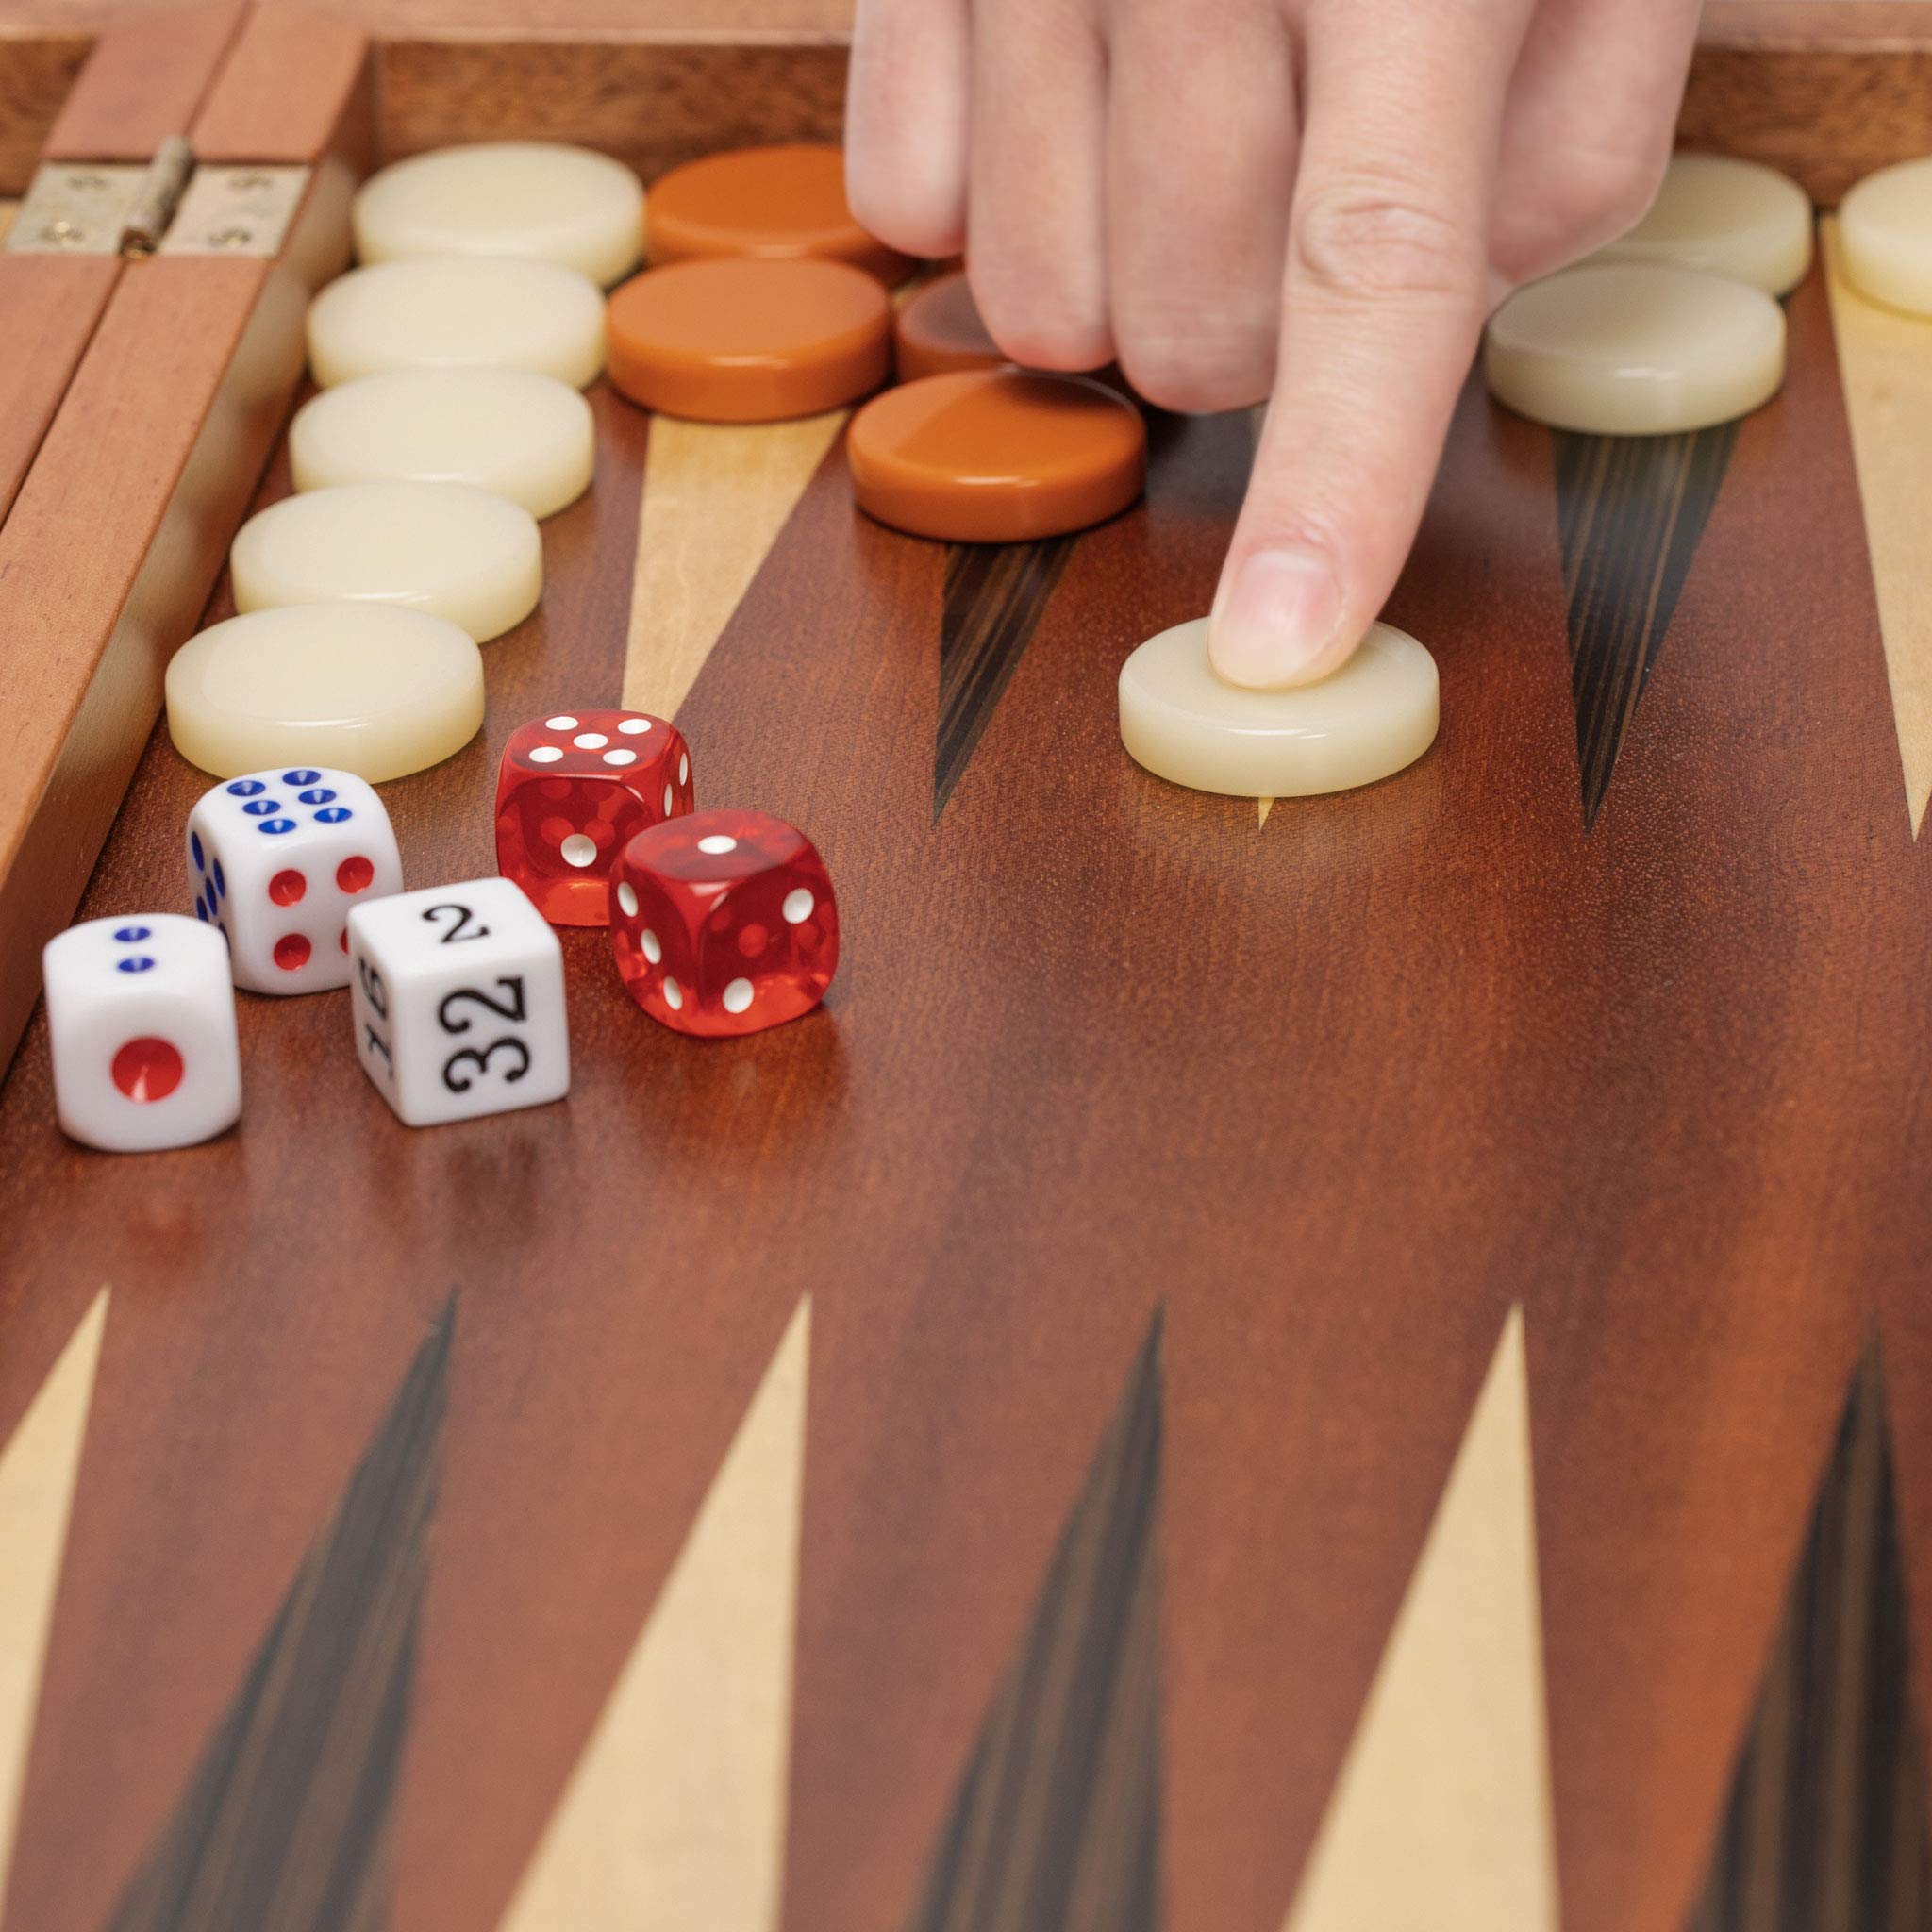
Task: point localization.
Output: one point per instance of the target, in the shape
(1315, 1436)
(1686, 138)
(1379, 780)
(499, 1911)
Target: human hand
(1318, 200)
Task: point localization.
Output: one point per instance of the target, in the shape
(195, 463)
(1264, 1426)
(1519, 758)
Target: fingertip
(1278, 620)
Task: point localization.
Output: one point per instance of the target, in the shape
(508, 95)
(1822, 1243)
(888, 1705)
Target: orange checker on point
(999, 456)
(775, 203)
(937, 329)
(742, 340)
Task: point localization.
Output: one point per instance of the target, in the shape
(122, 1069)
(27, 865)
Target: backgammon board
(1322, 1366)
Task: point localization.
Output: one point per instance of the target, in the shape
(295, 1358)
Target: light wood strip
(37, 1470)
(675, 1817)
(1883, 359)
(716, 496)
(1441, 1820)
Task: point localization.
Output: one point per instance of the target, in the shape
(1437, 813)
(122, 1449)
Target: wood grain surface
(1212, 1223)
(1329, 1095)
(143, 81)
(36, 71)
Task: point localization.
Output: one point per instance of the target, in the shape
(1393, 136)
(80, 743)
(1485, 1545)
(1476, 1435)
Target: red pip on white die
(275, 862)
(141, 1014)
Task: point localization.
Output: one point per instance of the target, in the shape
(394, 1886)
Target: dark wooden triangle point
(1055, 1826)
(1630, 512)
(284, 1826)
(994, 596)
(1827, 1823)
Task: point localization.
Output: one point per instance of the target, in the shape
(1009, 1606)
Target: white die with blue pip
(276, 859)
(141, 1016)
(458, 1002)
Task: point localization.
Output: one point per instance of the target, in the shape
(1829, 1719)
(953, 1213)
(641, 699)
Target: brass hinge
(170, 206)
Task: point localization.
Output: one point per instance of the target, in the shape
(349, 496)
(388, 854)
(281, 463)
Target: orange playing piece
(775, 203)
(749, 342)
(997, 455)
(939, 330)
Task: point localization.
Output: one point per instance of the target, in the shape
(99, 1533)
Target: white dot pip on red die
(141, 1019)
(457, 999)
(277, 859)
(570, 789)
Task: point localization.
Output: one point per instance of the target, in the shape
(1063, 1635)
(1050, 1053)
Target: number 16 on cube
(457, 996)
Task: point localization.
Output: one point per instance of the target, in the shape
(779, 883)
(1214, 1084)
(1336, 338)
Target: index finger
(1384, 299)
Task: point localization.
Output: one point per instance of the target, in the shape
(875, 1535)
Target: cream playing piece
(442, 547)
(370, 688)
(1885, 228)
(533, 200)
(1629, 348)
(1733, 218)
(1185, 722)
(529, 437)
(453, 311)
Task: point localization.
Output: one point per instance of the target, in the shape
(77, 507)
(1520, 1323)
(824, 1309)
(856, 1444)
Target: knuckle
(1366, 241)
(1595, 197)
(1042, 332)
(1196, 375)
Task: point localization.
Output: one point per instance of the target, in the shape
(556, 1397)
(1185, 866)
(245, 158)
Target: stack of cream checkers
(450, 421)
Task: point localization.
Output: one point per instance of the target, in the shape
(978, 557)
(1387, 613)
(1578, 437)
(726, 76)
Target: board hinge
(169, 207)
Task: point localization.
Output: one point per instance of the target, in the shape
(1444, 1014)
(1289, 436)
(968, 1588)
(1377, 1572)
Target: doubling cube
(276, 860)
(141, 1012)
(571, 789)
(457, 998)
(723, 921)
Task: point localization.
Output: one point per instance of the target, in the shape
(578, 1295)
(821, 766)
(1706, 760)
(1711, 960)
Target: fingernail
(1277, 617)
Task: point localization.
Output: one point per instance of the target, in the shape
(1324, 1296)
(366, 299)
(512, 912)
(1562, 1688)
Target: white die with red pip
(141, 1016)
(276, 860)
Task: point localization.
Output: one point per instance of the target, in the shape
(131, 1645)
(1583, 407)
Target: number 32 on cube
(457, 996)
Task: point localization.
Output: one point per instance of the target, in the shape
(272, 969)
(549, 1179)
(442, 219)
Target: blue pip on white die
(457, 1003)
(276, 859)
(141, 1016)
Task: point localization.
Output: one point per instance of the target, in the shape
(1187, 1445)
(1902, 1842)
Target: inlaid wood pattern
(1827, 1822)
(675, 1816)
(285, 1824)
(994, 595)
(39, 1467)
(1441, 1818)
(1056, 1825)
(1630, 510)
(715, 497)
(1882, 358)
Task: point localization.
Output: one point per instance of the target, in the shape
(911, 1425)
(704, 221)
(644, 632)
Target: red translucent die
(572, 788)
(723, 922)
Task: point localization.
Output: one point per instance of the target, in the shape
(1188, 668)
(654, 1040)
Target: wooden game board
(1362, 1363)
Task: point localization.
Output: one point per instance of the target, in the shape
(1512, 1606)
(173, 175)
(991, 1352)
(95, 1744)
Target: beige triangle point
(38, 1470)
(674, 1820)
(1264, 807)
(715, 497)
(1885, 366)
(1441, 1819)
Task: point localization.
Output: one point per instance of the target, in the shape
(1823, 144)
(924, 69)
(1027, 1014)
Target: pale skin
(1314, 203)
